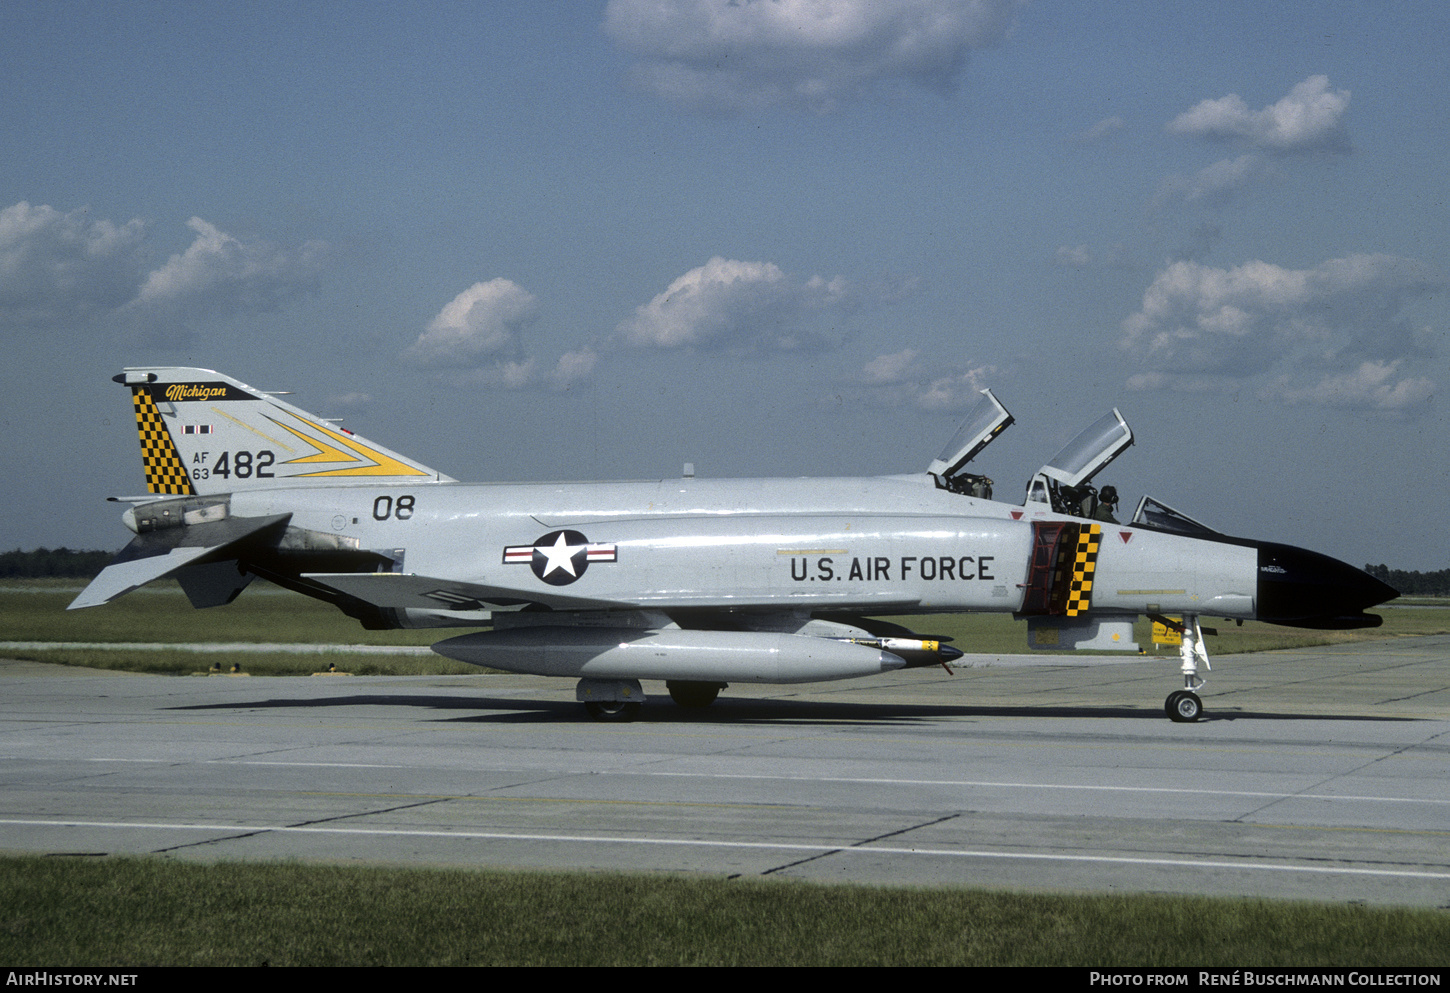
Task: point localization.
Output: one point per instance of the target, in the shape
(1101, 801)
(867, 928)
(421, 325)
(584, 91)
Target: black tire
(1187, 708)
(688, 694)
(612, 711)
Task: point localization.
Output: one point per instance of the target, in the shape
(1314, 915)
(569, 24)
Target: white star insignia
(559, 555)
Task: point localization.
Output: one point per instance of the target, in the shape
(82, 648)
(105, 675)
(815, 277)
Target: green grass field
(68, 911)
(162, 615)
(35, 611)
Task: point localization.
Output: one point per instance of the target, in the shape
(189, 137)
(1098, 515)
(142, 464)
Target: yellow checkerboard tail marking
(1080, 594)
(165, 472)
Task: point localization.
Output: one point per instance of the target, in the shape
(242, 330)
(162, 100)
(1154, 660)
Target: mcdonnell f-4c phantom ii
(696, 582)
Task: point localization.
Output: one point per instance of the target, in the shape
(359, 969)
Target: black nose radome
(1305, 589)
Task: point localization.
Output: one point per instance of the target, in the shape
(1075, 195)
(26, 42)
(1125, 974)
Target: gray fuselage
(891, 544)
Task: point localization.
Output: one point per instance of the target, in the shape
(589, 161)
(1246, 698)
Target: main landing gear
(611, 701)
(1183, 706)
(618, 701)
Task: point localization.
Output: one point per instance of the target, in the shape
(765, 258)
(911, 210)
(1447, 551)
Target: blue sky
(599, 240)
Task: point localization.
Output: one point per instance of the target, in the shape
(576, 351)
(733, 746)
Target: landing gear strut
(1183, 706)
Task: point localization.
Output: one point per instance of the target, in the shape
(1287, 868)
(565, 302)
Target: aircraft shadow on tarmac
(516, 710)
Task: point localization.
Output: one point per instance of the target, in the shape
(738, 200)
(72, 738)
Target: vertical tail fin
(202, 433)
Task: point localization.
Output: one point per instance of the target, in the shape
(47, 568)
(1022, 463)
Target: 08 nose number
(385, 507)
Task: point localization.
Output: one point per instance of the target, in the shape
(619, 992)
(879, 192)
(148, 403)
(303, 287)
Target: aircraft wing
(407, 590)
(404, 590)
(156, 554)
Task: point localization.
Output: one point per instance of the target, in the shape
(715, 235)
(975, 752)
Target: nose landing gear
(1183, 706)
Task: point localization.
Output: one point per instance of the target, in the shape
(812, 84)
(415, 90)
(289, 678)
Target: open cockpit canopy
(1081, 459)
(987, 420)
(1063, 482)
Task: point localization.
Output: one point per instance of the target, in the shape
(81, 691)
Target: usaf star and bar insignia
(559, 557)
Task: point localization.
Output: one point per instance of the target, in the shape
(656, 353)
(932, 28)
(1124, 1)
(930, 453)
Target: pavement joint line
(251, 829)
(864, 841)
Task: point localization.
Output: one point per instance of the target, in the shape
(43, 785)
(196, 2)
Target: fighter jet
(696, 582)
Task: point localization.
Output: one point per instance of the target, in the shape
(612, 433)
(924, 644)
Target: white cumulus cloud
(746, 306)
(1213, 185)
(898, 379)
(63, 268)
(478, 338)
(480, 325)
(724, 56)
(574, 367)
(219, 272)
(890, 369)
(1309, 118)
(1371, 385)
(57, 268)
(1340, 323)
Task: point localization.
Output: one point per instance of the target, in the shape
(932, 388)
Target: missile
(678, 654)
(917, 652)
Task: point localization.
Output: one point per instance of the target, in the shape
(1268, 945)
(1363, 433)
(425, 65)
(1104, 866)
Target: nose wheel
(1183, 706)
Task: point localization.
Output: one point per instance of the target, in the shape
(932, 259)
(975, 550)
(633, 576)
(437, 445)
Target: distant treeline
(1413, 583)
(43, 562)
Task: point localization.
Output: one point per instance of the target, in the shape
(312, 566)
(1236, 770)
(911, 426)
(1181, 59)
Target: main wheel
(1184, 707)
(688, 694)
(612, 711)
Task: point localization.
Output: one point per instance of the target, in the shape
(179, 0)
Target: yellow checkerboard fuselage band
(165, 472)
(1080, 594)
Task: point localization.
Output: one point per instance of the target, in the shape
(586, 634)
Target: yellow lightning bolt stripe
(243, 424)
(165, 472)
(1080, 594)
(366, 461)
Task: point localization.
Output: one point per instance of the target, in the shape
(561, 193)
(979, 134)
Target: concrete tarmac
(1317, 774)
